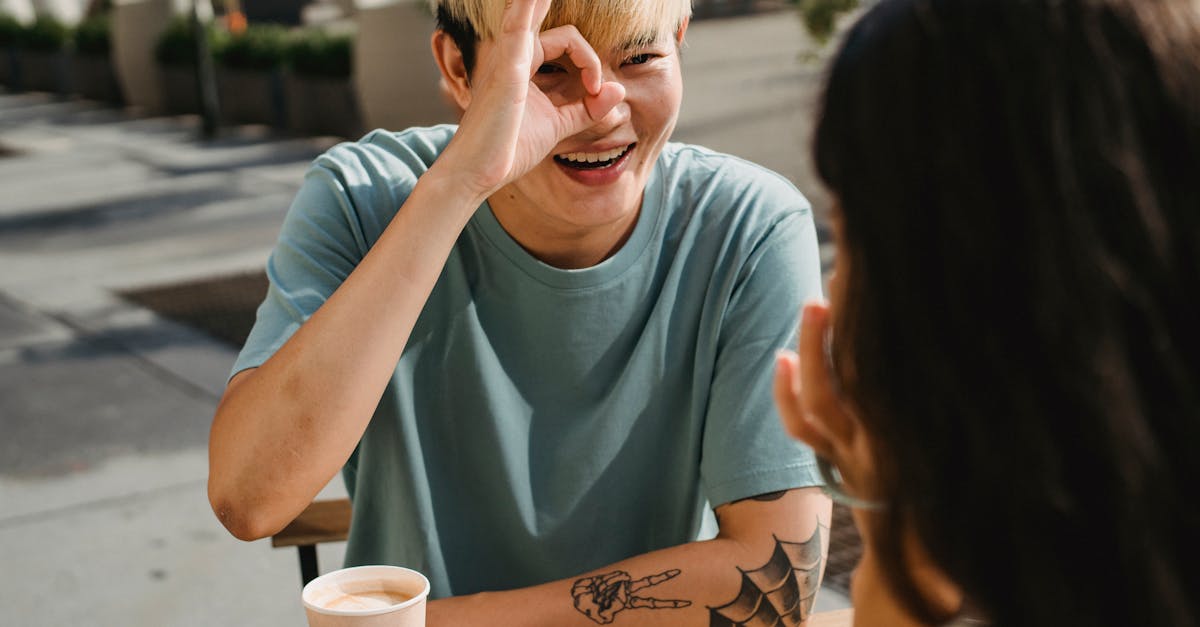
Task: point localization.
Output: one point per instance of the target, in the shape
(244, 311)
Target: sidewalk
(105, 406)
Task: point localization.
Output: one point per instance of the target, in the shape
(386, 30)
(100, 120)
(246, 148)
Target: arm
(779, 540)
(282, 430)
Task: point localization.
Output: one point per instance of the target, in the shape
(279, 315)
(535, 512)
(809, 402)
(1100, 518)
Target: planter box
(46, 71)
(396, 95)
(136, 27)
(94, 79)
(179, 95)
(322, 106)
(10, 68)
(249, 97)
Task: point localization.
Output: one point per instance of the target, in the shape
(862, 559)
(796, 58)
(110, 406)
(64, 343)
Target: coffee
(367, 596)
(376, 599)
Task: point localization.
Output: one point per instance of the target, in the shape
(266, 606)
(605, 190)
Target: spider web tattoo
(781, 592)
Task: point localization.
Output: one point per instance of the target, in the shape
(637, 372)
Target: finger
(791, 410)
(569, 42)
(520, 14)
(539, 15)
(658, 604)
(598, 106)
(821, 402)
(653, 580)
(817, 390)
(582, 114)
(614, 578)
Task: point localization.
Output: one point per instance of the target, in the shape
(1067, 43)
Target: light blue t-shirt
(544, 422)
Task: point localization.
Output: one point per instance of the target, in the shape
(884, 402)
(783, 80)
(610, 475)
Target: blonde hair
(606, 24)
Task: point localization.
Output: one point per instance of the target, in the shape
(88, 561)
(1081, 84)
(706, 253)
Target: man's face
(595, 179)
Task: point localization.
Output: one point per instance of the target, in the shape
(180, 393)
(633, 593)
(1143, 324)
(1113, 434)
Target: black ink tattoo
(781, 592)
(601, 597)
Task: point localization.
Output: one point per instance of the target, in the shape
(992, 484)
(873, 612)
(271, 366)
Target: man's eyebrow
(638, 40)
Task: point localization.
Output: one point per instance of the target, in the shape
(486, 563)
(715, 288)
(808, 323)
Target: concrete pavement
(105, 406)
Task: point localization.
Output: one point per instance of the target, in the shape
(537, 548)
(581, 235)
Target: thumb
(582, 114)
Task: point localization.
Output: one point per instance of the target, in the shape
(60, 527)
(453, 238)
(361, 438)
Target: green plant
(93, 36)
(46, 34)
(177, 46)
(820, 16)
(11, 31)
(258, 48)
(316, 53)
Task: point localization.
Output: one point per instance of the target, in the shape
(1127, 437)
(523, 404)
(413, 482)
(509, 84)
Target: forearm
(284, 429)
(690, 584)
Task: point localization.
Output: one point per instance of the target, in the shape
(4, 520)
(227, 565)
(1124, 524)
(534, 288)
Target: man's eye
(640, 58)
(549, 68)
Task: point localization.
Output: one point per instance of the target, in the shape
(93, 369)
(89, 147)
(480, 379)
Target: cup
(367, 596)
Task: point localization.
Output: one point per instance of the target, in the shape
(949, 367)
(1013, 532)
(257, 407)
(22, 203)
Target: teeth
(594, 157)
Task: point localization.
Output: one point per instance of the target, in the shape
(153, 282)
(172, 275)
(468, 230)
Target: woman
(1011, 395)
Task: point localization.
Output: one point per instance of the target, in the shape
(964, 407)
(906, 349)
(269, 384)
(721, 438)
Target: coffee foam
(365, 590)
(365, 600)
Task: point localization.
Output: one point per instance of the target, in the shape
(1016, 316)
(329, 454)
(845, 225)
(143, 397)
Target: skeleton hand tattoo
(600, 598)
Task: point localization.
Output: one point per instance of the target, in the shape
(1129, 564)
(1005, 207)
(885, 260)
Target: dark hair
(462, 33)
(1019, 193)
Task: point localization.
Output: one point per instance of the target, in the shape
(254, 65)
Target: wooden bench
(322, 521)
(329, 521)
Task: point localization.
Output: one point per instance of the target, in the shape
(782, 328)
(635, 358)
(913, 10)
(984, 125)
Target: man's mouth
(593, 160)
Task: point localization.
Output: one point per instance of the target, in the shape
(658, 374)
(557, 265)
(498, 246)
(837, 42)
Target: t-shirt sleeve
(746, 451)
(320, 243)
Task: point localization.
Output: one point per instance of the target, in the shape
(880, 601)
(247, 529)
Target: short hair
(606, 24)
(1020, 212)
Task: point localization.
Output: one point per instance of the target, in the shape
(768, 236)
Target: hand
(812, 408)
(510, 125)
(601, 597)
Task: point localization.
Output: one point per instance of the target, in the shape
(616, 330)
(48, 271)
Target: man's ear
(456, 82)
(682, 30)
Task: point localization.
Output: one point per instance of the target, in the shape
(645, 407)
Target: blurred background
(148, 152)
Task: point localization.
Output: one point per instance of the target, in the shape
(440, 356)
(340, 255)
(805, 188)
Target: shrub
(93, 36)
(316, 53)
(11, 31)
(820, 15)
(258, 48)
(46, 34)
(177, 47)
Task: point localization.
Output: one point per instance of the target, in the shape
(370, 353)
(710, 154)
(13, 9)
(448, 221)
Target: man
(539, 342)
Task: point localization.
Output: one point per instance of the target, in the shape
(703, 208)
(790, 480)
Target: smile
(593, 160)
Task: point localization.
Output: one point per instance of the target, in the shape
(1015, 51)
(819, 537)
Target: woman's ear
(456, 82)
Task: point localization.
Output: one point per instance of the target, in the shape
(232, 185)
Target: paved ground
(105, 406)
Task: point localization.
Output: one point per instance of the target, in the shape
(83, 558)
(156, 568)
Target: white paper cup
(367, 596)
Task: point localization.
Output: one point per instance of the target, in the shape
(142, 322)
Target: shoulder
(388, 154)
(366, 181)
(717, 191)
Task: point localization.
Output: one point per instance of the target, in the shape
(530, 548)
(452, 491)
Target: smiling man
(539, 344)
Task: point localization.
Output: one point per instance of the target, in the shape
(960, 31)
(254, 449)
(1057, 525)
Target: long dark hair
(1019, 193)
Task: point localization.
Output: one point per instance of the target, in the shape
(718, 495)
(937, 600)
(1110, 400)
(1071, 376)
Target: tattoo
(601, 597)
(781, 592)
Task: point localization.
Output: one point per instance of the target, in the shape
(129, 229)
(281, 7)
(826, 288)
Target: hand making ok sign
(510, 125)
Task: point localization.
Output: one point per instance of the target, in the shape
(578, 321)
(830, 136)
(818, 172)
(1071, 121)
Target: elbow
(244, 521)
